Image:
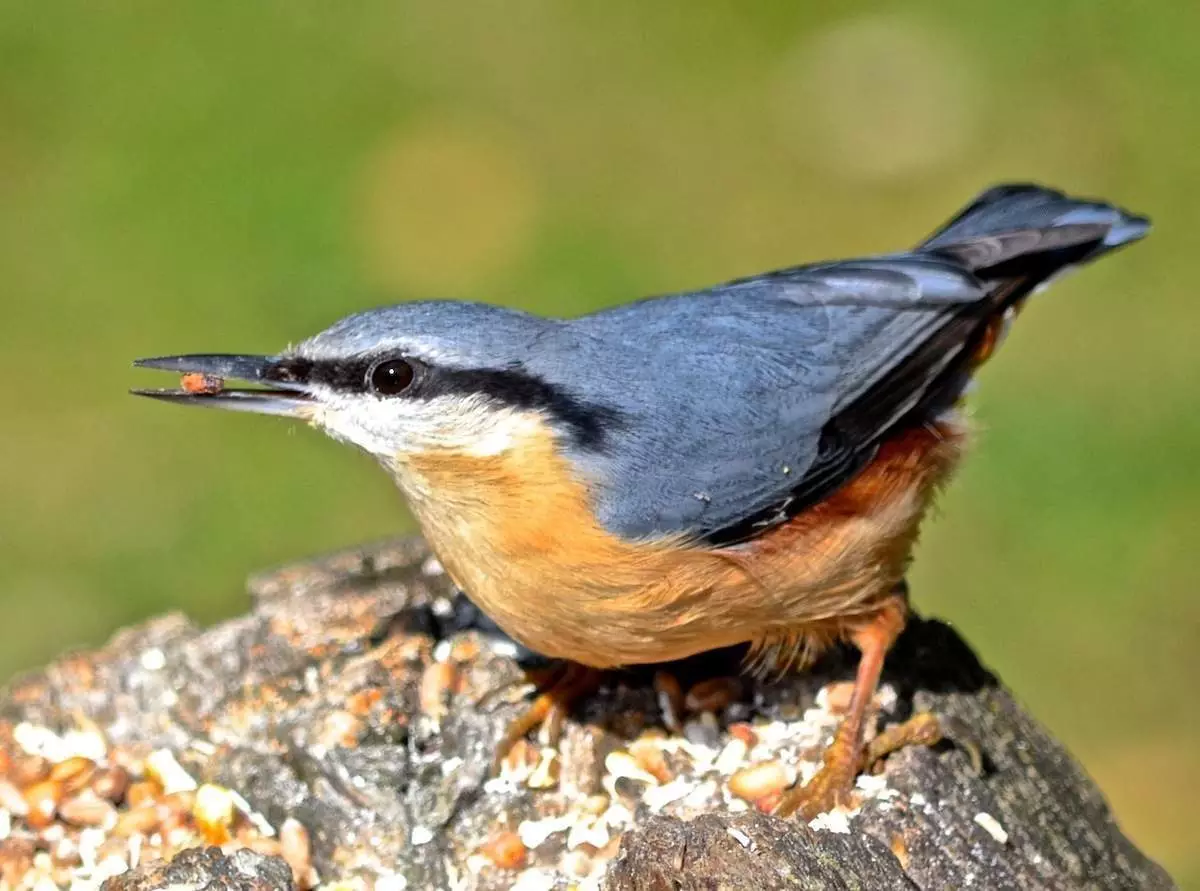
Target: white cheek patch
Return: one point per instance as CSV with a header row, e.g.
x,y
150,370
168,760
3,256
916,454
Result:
x,y
387,427
353,421
501,431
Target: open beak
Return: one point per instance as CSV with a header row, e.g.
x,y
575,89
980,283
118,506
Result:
x,y
278,392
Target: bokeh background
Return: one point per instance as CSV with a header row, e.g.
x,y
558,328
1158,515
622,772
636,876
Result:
x,y
231,176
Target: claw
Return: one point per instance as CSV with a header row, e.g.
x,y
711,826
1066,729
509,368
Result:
x,y
564,684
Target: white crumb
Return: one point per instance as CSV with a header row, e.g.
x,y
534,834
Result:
x,y
992,827
421,835
392,882
740,837
658,797
836,820
535,880
533,832
875,785
153,659
162,766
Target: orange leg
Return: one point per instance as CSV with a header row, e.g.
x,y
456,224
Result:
x,y
563,686
834,781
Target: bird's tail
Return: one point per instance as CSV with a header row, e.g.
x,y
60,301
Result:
x,y
1024,234
1015,238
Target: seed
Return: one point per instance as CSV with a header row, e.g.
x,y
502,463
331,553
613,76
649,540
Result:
x,y
198,382
900,850
759,780
713,695
520,759
162,766
142,820
361,703
179,802
744,732
11,800
212,809
143,792
578,864
42,800
506,850
73,773
836,697
111,783
29,769
87,810
436,685
731,756
65,852
595,804
296,849
340,729
465,649
650,758
622,765
768,803
545,775
16,860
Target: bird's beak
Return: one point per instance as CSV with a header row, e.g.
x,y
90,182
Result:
x,y
204,377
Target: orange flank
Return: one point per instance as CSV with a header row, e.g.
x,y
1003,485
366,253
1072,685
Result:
x,y
516,531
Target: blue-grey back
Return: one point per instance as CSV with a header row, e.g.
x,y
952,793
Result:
x,y
723,394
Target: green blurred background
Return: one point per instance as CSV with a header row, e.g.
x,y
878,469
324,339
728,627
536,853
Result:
x,y
232,176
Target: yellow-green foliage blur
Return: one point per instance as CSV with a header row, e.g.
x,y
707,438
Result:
x,y
233,176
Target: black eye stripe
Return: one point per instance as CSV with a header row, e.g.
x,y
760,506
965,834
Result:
x,y
587,423
345,376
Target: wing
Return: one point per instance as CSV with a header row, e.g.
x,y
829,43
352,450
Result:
x,y
742,404
729,398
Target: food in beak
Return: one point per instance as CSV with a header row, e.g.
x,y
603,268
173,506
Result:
x,y
199,383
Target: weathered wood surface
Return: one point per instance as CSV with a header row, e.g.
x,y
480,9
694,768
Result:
x,y
320,705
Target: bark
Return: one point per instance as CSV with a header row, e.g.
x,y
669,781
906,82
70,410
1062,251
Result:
x,y
347,701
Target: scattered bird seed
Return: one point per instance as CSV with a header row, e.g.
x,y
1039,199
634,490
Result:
x,y
505,850
162,767
759,780
421,835
992,827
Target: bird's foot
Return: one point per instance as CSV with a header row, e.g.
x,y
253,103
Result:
x,y
561,685
830,786
919,730
833,785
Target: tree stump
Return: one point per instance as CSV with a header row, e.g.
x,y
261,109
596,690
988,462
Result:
x,y
347,724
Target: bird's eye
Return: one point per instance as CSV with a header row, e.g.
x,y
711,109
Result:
x,y
391,377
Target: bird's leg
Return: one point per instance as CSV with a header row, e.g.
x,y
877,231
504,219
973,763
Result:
x,y
832,784
561,685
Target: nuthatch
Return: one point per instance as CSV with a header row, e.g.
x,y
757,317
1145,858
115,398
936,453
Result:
x,y
747,463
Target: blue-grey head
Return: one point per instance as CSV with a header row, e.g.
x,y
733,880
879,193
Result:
x,y
414,377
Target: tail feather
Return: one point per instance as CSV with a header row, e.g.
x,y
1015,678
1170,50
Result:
x,y
1013,239
1029,233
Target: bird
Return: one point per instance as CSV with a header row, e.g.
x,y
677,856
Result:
x,y
746,464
